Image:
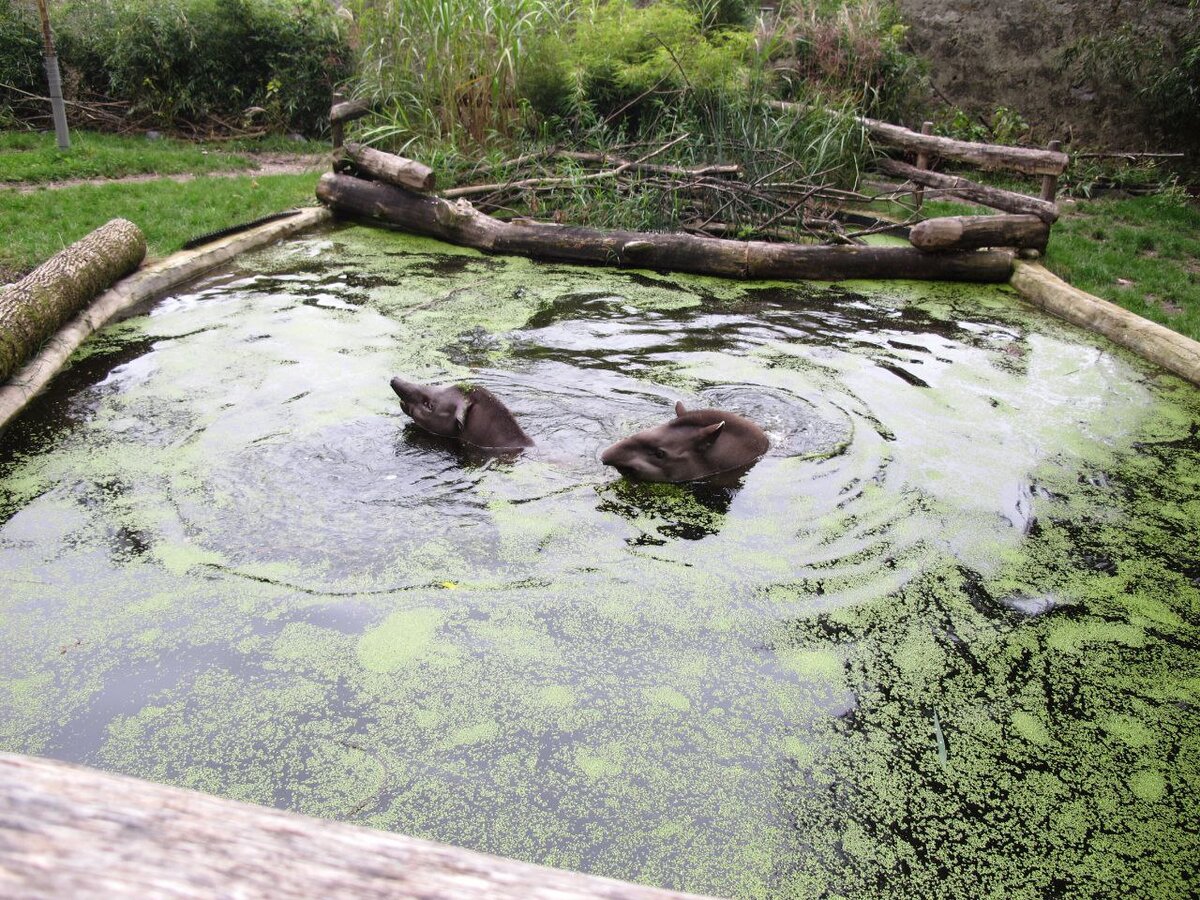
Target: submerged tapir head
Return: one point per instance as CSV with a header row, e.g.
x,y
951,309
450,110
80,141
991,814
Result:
x,y
692,446
469,414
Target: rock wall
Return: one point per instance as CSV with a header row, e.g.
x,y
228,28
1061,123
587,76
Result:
x,y
990,53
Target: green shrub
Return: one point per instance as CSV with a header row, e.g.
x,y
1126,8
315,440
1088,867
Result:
x,y
21,71
853,49
181,62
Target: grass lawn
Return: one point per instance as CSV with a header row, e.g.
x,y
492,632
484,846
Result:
x,y
40,223
1142,253
28,156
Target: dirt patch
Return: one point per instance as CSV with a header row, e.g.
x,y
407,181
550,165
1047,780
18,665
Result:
x,y
263,164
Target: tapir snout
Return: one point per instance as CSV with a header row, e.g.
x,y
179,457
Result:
x,y
468,413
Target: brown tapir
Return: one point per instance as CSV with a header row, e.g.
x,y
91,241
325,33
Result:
x,y
467,413
692,446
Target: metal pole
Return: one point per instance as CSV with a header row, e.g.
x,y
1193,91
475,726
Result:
x,y
54,79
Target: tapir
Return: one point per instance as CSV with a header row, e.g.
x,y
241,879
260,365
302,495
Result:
x,y
467,413
692,446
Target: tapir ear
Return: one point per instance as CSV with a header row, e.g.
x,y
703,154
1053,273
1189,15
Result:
x,y
708,436
460,413
679,410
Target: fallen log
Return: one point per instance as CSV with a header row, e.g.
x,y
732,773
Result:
x,y
460,223
969,232
996,198
68,831
1027,160
145,284
397,170
33,308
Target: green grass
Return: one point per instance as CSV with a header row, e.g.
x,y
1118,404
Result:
x,y
27,156
1142,253
42,222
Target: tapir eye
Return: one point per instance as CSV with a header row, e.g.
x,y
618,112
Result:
x,y
660,452
428,405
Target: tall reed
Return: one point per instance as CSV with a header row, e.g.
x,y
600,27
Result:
x,y
451,67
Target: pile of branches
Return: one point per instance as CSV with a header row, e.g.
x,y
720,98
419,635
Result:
x,y
720,199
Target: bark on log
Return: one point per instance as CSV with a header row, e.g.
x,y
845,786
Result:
x,y
1028,160
35,307
67,831
969,232
148,282
397,170
1008,201
460,223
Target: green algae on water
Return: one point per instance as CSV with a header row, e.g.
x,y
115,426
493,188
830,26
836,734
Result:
x,y
941,640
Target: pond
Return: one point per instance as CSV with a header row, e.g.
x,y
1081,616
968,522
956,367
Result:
x,y
941,640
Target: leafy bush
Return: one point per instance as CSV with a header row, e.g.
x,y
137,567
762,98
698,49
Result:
x,y
21,71
854,49
181,62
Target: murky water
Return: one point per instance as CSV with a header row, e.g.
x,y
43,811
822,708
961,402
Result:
x,y
942,641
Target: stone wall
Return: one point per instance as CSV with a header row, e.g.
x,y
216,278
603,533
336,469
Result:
x,y
990,53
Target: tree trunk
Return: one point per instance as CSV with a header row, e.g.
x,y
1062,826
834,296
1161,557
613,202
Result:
x,y
397,170
965,232
35,307
460,223
1007,201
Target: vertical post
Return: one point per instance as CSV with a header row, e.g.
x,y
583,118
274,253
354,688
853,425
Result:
x,y
1050,182
922,163
336,127
54,81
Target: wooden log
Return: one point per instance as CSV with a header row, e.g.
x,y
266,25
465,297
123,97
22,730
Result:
x,y
1028,160
33,308
460,223
970,232
397,170
146,283
1050,182
67,831
1169,349
1008,201
343,112
922,163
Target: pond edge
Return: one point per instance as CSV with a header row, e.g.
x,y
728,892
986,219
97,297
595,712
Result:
x,y
1173,351
144,284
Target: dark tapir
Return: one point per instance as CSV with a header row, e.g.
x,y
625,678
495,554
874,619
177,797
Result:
x,y
692,446
470,414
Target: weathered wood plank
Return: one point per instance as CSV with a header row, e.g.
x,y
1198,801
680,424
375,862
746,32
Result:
x,y
1008,201
460,223
67,831
968,232
348,111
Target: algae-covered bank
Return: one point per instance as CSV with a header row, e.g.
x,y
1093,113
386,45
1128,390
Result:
x,y
941,641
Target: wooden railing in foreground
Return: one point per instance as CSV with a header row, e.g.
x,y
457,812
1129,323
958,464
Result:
x,y
67,831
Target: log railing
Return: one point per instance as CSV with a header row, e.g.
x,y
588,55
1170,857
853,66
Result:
x,y
1011,230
